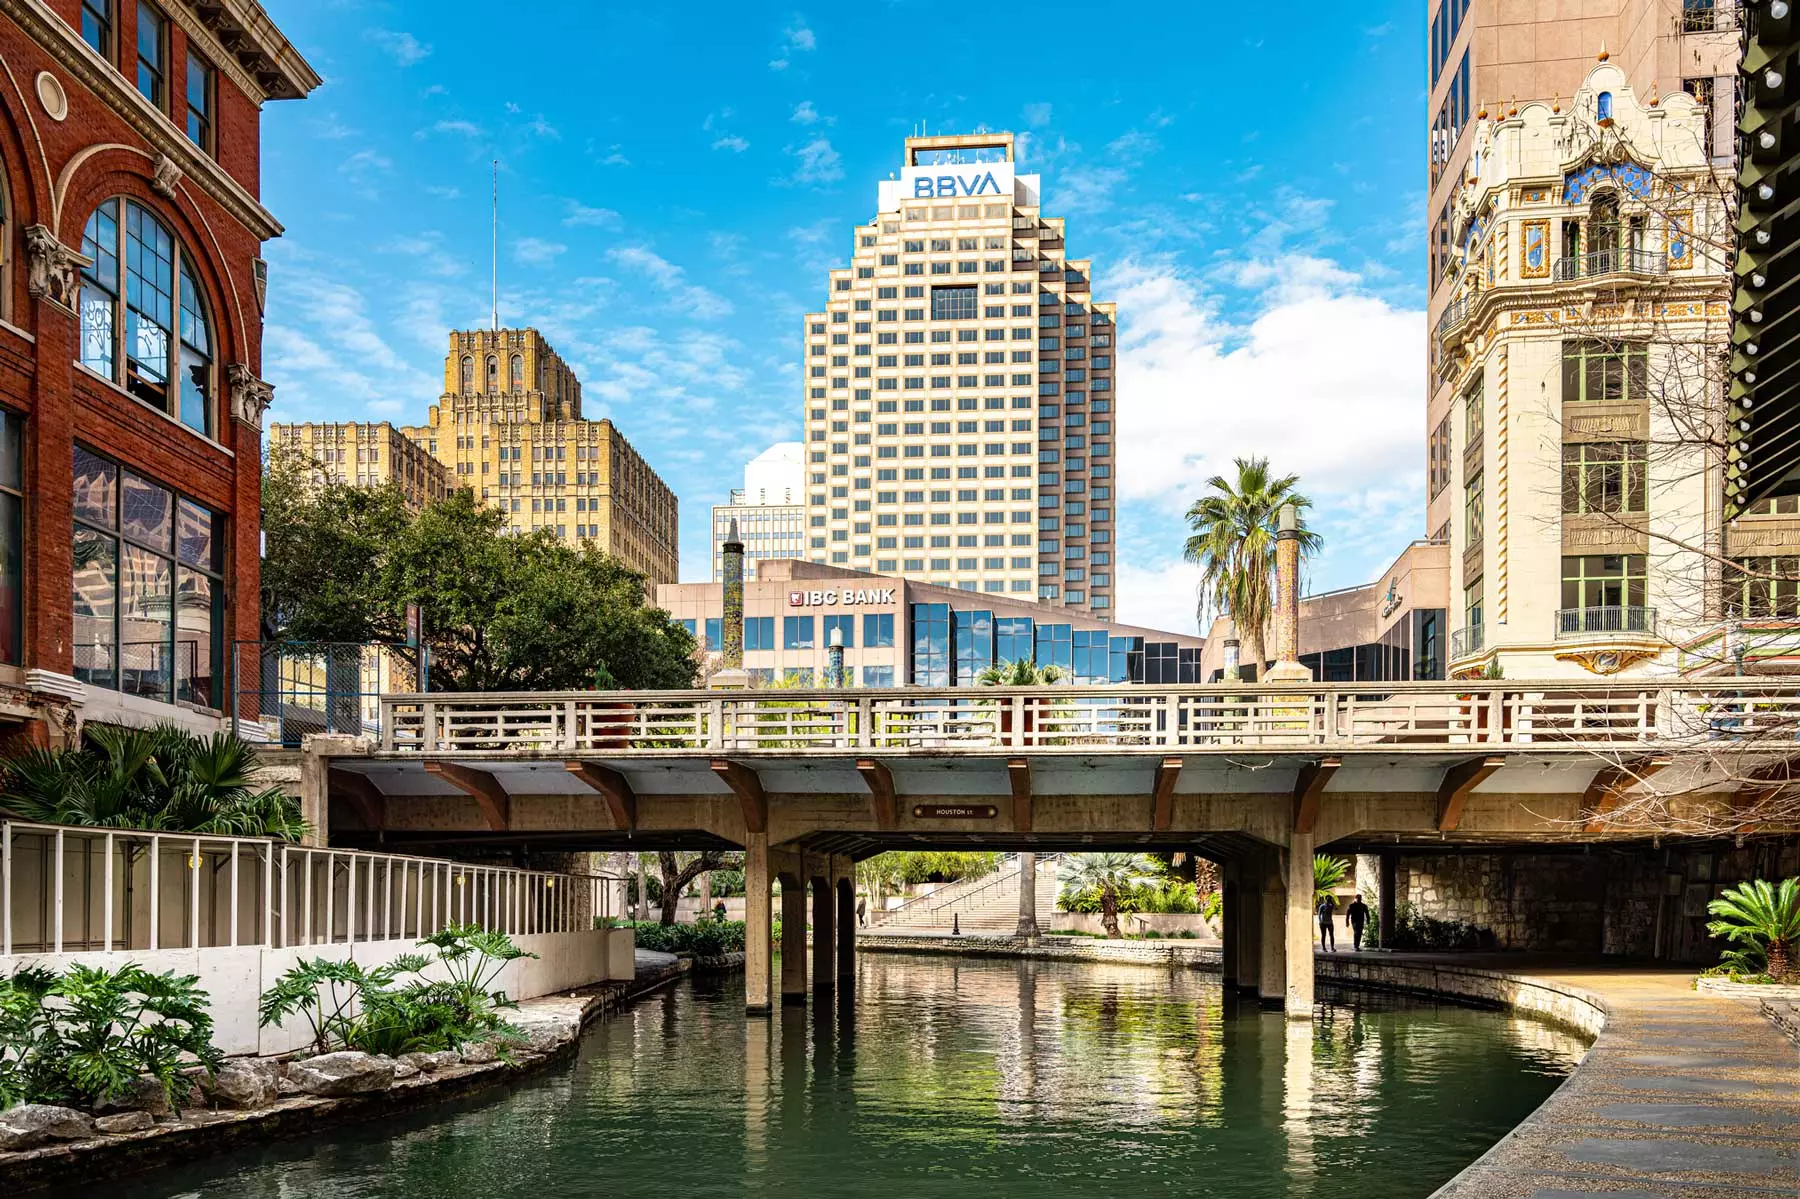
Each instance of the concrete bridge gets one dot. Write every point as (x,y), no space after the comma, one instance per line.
(808,782)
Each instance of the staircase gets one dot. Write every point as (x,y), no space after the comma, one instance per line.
(983,905)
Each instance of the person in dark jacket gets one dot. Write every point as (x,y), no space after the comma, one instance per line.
(1357,917)
(1327,939)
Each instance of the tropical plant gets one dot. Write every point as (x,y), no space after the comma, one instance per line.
(162,778)
(1020,672)
(1233,542)
(707,937)
(1109,874)
(1763,916)
(1328,874)
(87,1035)
(1213,908)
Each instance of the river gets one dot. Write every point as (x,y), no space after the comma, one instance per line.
(954,1077)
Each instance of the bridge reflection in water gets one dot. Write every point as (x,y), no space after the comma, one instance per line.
(951,1077)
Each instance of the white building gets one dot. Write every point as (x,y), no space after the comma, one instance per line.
(769,509)
(959,390)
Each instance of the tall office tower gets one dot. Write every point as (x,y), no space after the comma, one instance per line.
(368,454)
(959,390)
(509,427)
(768,510)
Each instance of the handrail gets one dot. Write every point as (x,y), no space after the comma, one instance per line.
(994,879)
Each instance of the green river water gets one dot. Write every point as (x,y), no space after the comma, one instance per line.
(954,1077)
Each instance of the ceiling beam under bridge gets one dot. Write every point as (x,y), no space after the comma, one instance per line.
(882,802)
(745,784)
(496,805)
(621,800)
(1309,788)
(1018,773)
(1453,792)
(1609,786)
(1162,812)
(360,791)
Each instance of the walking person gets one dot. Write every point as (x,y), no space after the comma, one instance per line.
(1327,939)
(862,910)
(1357,917)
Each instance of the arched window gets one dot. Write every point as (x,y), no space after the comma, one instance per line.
(468,374)
(137,327)
(493,373)
(1603,106)
(518,373)
(1603,233)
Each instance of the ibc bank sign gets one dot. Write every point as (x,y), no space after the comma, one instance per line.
(955,182)
(817,599)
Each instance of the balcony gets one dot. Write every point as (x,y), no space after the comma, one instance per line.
(1577,623)
(1453,317)
(1602,263)
(1466,642)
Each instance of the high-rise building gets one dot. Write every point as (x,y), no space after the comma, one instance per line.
(959,390)
(509,427)
(370,454)
(767,510)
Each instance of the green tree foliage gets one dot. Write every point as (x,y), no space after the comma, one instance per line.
(500,612)
(1761,916)
(707,937)
(1329,873)
(1151,895)
(86,1036)
(1110,874)
(161,778)
(1233,542)
(1020,673)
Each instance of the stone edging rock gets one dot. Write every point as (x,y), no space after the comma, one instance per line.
(551,1026)
(1569,1007)
(1734,990)
(1784,1015)
(719,963)
(1194,955)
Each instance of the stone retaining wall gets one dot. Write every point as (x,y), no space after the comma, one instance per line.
(1194,955)
(1572,1008)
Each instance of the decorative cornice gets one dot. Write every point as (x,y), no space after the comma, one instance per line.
(60,40)
(166,176)
(52,268)
(250,396)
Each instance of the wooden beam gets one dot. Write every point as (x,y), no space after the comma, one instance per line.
(496,805)
(882,802)
(1609,785)
(749,789)
(621,800)
(1453,792)
(361,793)
(1309,788)
(1018,773)
(1162,811)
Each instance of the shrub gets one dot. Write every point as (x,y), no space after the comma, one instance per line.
(1762,917)
(83,1037)
(1214,907)
(1415,931)
(706,938)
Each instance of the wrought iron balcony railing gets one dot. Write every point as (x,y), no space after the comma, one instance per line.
(1585,622)
(1453,317)
(1601,263)
(1466,642)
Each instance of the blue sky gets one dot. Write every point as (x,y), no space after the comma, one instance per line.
(675,182)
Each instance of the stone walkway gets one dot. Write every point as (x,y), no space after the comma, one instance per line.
(1684,1096)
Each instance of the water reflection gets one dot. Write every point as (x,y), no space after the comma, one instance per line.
(948,1077)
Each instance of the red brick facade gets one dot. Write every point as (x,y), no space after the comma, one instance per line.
(113,142)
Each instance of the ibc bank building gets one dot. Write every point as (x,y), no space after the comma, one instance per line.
(897,632)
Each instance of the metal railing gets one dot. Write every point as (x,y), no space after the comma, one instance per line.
(937,900)
(284,691)
(1611,262)
(1466,642)
(1582,622)
(1453,316)
(1069,720)
(75,889)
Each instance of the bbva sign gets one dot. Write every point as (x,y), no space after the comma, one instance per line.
(977,183)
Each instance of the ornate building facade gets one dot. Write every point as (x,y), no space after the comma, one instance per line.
(370,454)
(131,309)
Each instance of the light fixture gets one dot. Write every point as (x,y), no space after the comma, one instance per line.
(1743,426)
(1743,447)
(1750,348)
(1778,9)
(1756,316)
(459,880)
(1762,237)
(1766,140)
(1757,280)
(1749,377)
(193,861)
(1764,192)
(1772,79)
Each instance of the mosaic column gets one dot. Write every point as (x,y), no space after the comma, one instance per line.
(1287,666)
(731,675)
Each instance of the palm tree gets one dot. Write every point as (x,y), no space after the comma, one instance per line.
(1233,541)
(1022,672)
(162,778)
(1761,915)
(1110,874)
(1328,872)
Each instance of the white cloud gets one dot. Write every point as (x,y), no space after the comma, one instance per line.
(322,352)
(1159,596)
(1133,147)
(687,298)
(1037,115)
(735,144)
(795,39)
(539,127)
(581,216)
(819,163)
(805,113)
(442,192)
(535,251)
(459,128)
(801,38)
(615,157)
(402,47)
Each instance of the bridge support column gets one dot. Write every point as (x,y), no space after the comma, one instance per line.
(1228,920)
(845,889)
(1248,925)
(1271,986)
(756,924)
(1300,920)
(824,931)
(1384,904)
(793,938)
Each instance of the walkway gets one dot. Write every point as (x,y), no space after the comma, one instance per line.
(1684,1096)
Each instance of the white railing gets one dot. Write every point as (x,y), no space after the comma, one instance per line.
(1078,720)
(82,890)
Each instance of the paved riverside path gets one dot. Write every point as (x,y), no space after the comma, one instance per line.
(1683,1096)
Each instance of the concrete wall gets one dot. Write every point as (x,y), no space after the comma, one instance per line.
(235,978)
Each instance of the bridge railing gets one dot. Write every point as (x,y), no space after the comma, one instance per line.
(1080,719)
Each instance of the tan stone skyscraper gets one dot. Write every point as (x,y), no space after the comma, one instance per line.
(509,427)
(367,454)
(959,390)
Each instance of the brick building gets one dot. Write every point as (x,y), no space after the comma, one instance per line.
(131,398)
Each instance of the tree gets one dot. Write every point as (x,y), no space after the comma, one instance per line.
(1328,873)
(1110,874)
(678,870)
(1233,541)
(162,778)
(1761,916)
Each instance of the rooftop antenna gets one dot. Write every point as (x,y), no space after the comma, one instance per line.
(496,246)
